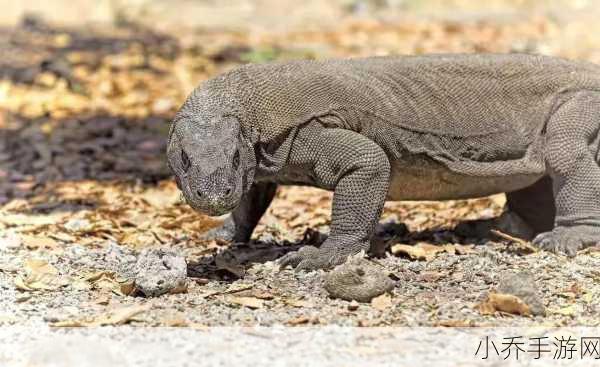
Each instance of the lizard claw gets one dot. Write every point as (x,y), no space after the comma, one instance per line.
(292,259)
(567,240)
(299,259)
(308,258)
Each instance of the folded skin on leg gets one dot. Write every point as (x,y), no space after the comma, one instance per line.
(570,153)
(358,171)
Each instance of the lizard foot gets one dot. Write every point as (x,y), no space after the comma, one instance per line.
(310,258)
(568,240)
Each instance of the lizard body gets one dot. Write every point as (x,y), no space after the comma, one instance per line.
(397,128)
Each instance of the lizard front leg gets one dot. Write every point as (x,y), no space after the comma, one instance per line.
(358,171)
(571,148)
(240,224)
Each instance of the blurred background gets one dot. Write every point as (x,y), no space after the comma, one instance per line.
(88,87)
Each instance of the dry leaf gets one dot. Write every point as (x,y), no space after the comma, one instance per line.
(119,316)
(105,280)
(565,311)
(30,220)
(177,319)
(298,320)
(139,239)
(39,275)
(420,251)
(256,293)
(503,303)
(161,198)
(455,323)
(516,245)
(464,249)
(103,299)
(300,303)
(39,242)
(382,302)
(250,302)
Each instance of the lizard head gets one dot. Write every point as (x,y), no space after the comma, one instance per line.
(212,161)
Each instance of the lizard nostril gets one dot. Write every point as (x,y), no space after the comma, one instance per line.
(199,193)
(228,191)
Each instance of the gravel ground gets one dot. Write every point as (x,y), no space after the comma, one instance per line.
(442,291)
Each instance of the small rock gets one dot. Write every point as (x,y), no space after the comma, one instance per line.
(120,260)
(522,285)
(353,306)
(358,279)
(54,316)
(160,271)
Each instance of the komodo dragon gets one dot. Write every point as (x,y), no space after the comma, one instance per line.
(396,128)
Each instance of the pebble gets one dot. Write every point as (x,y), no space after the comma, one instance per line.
(160,271)
(358,279)
(353,306)
(522,284)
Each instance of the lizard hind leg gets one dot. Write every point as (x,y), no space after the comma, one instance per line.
(570,150)
(534,205)
(527,213)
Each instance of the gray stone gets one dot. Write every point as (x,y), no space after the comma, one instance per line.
(522,284)
(358,279)
(160,271)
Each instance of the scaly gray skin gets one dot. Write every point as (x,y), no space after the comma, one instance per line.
(396,128)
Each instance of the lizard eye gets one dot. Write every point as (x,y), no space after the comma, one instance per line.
(185,160)
(236,160)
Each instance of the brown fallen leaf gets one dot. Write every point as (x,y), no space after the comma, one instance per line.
(161,198)
(565,311)
(106,280)
(103,299)
(464,249)
(455,323)
(300,320)
(516,245)
(39,275)
(256,293)
(382,302)
(299,303)
(232,289)
(503,303)
(30,220)
(250,302)
(177,319)
(39,242)
(119,316)
(420,251)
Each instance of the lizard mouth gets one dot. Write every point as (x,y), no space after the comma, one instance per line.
(212,210)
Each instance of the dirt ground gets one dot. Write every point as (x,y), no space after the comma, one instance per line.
(84,114)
